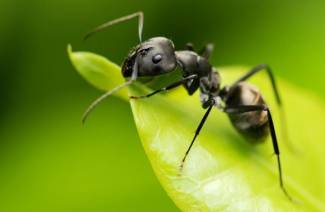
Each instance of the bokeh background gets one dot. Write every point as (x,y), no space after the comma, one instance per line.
(49,162)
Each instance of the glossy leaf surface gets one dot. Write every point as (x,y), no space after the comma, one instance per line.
(223,171)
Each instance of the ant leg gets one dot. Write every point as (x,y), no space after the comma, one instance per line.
(189,46)
(250,108)
(171,86)
(257,69)
(207,51)
(197,133)
(266,67)
(119,20)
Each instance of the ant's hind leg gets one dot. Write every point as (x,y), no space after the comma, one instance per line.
(254,71)
(251,108)
(171,86)
(267,68)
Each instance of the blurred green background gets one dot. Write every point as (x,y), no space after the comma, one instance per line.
(49,162)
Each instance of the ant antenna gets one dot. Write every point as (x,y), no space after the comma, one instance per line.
(108,93)
(119,20)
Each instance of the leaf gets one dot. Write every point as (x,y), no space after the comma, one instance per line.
(223,171)
(97,70)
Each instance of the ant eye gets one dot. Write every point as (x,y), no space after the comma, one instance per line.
(157,58)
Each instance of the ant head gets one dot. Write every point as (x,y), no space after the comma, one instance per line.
(155,56)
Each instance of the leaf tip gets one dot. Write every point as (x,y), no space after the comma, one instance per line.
(69,48)
(69,51)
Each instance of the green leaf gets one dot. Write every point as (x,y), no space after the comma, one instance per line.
(223,171)
(97,70)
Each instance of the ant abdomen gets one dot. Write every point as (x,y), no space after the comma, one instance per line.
(252,125)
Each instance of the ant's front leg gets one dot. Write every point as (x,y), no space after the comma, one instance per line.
(171,86)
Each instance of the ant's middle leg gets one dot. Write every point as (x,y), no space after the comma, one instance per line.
(171,86)
(250,108)
(197,132)
(189,46)
(207,51)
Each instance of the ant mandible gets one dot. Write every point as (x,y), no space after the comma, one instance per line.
(242,102)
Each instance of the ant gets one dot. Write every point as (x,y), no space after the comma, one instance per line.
(242,102)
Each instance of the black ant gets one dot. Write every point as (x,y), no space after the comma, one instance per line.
(242,102)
